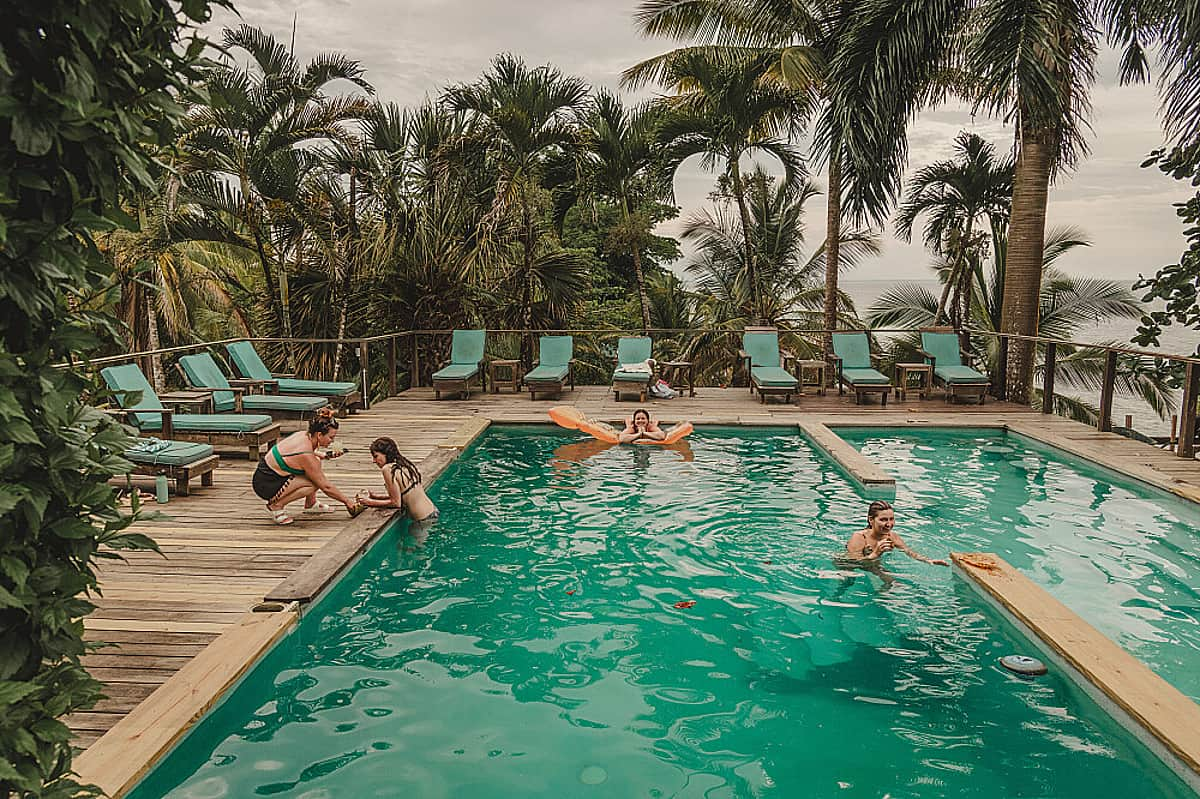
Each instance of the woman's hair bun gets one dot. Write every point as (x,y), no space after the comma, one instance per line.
(326,413)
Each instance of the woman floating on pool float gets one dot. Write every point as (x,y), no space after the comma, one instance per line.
(648,432)
(868,546)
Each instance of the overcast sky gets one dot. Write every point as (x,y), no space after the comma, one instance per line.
(413,48)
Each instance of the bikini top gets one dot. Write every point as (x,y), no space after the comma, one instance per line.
(279,459)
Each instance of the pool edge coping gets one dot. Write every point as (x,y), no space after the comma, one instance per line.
(1157,713)
(161,720)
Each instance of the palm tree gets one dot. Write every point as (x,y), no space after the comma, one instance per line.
(1066,303)
(620,156)
(723,109)
(792,278)
(865,66)
(248,151)
(1035,63)
(525,118)
(954,196)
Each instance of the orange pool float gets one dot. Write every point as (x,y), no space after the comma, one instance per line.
(572,418)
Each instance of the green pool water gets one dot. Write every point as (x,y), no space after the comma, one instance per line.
(1119,553)
(531,647)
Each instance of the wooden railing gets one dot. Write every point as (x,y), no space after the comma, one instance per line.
(427,342)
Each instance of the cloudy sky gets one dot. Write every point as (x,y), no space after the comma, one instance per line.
(412,48)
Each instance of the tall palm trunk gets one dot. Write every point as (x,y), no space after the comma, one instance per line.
(636,252)
(526,279)
(347,278)
(156,367)
(739,192)
(1023,263)
(833,240)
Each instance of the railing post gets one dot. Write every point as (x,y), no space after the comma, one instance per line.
(391,361)
(1048,378)
(1104,422)
(414,362)
(364,368)
(1002,370)
(1187,413)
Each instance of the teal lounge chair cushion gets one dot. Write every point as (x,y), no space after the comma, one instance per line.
(127,379)
(176,453)
(633,349)
(854,349)
(202,371)
(772,377)
(466,353)
(280,402)
(211,422)
(548,373)
(246,361)
(326,388)
(456,371)
(621,376)
(943,347)
(958,374)
(865,377)
(555,351)
(763,348)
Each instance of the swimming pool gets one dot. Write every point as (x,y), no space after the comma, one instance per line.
(1120,554)
(532,646)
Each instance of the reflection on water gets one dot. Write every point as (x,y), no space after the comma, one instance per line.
(637,623)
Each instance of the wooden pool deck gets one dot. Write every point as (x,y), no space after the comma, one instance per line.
(223,554)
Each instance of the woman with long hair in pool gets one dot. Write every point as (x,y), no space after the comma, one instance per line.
(869,545)
(641,426)
(402,481)
(292,470)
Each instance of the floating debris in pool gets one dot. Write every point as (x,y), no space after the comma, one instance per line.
(687,603)
(1023,665)
(571,591)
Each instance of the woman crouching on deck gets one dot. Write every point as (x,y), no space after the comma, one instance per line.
(292,470)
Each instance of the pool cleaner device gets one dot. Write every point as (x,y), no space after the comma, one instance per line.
(1023,665)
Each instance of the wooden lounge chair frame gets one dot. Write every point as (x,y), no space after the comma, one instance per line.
(252,441)
(978,388)
(344,403)
(181,473)
(550,386)
(461,385)
(784,357)
(241,386)
(861,390)
(627,382)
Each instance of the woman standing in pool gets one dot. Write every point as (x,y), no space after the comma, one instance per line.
(292,470)
(871,544)
(402,480)
(641,426)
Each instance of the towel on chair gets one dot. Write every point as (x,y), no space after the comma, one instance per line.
(150,445)
(641,366)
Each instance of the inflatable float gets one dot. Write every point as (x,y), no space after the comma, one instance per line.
(572,418)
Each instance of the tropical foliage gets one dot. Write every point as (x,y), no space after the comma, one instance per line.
(84,91)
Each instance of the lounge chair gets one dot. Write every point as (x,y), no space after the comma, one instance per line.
(852,354)
(465,367)
(177,460)
(633,374)
(201,371)
(760,351)
(554,367)
(149,415)
(940,348)
(345,396)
